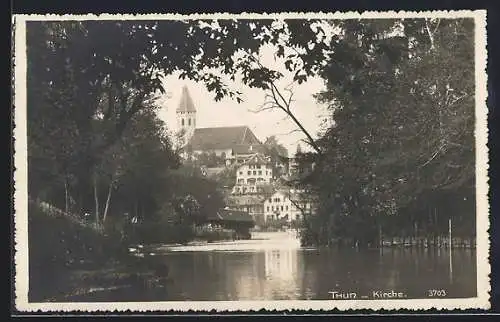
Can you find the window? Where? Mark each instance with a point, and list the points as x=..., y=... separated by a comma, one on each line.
x=254, y=172
x=281, y=208
x=268, y=208
x=286, y=208
x=260, y=172
x=189, y=121
x=182, y=122
x=272, y=208
x=249, y=172
x=258, y=166
x=241, y=173
x=270, y=200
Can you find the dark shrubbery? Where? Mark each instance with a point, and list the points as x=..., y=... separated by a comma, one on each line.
x=57, y=245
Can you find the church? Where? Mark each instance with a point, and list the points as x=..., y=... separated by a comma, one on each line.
x=232, y=143
x=257, y=189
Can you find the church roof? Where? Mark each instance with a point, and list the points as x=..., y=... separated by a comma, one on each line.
x=222, y=138
x=186, y=103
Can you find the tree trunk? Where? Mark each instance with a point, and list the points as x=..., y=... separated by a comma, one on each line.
x=66, y=197
x=96, y=199
x=108, y=199
x=380, y=238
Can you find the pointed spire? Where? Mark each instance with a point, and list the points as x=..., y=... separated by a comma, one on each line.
x=186, y=103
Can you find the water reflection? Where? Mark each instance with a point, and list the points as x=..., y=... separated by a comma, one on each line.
x=277, y=269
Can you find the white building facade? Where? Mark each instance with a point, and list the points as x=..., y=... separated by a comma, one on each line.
x=256, y=170
x=286, y=205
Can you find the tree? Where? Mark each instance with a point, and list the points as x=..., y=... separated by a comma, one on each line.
x=386, y=81
x=204, y=191
x=277, y=154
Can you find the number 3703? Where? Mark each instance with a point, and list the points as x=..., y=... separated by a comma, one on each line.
x=436, y=293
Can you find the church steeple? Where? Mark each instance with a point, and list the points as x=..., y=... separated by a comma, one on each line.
x=186, y=103
x=186, y=115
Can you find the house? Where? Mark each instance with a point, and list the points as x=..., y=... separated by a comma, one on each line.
x=256, y=170
x=251, y=204
x=289, y=205
x=239, y=221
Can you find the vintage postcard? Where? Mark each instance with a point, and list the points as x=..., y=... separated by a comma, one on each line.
x=240, y=162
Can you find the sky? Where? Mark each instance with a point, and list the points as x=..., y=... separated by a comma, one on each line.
x=228, y=112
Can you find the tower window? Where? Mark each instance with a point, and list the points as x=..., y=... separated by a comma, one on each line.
x=189, y=122
x=182, y=122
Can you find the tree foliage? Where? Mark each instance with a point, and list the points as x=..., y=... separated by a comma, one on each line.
x=402, y=93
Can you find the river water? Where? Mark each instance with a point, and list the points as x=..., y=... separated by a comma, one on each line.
x=273, y=266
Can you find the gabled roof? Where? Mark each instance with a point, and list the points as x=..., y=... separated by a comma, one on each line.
x=186, y=103
x=222, y=138
x=257, y=158
x=213, y=171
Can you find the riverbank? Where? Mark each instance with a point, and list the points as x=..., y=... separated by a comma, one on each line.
x=71, y=257
x=62, y=247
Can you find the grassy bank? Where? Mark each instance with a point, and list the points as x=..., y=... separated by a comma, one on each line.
x=59, y=245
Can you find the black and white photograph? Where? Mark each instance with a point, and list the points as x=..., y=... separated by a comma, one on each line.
x=248, y=161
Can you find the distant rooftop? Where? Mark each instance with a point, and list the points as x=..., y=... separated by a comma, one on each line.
x=222, y=138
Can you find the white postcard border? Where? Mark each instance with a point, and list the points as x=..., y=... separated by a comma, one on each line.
x=21, y=184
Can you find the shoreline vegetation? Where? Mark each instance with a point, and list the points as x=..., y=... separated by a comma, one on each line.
x=66, y=252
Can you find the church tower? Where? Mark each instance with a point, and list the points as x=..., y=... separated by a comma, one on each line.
x=186, y=116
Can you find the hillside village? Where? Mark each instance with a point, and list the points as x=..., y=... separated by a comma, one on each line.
x=258, y=184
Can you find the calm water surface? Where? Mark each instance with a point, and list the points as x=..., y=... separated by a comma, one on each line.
x=272, y=266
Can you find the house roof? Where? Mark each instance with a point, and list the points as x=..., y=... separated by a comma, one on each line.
x=186, y=103
x=212, y=138
x=257, y=159
x=213, y=171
